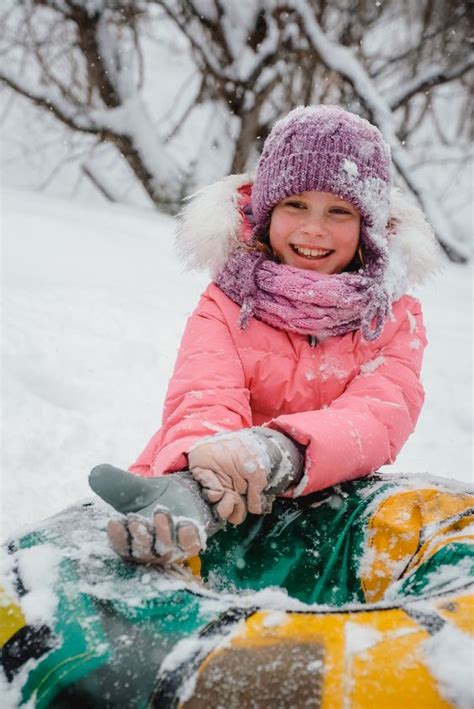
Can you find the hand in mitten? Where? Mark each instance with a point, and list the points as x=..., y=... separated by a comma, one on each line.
x=163, y=519
x=243, y=470
x=159, y=540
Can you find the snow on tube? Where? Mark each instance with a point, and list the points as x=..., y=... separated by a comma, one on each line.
x=358, y=596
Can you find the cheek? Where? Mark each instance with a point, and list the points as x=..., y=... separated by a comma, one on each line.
x=279, y=229
x=349, y=237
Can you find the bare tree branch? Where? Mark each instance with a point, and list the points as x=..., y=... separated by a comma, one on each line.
x=37, y=47
x=98, y=183
x=392, y=61
x=72, y=120
x=425, y=82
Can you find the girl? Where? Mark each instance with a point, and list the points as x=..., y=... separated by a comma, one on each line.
x=300, y=367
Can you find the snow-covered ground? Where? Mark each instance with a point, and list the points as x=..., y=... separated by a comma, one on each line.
x=94, y=305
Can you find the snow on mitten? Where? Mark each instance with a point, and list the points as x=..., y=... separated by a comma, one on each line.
x=243, y=470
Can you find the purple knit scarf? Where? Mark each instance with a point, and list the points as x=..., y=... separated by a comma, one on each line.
x=304, y=301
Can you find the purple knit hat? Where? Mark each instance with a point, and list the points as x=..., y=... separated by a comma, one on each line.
x=326, y=149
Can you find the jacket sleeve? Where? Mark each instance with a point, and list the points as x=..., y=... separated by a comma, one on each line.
x=367, y=425
x=206, y=393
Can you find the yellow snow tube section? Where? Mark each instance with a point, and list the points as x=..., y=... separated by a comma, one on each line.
x=407, y=529
x=11, y=618
x=374, y=659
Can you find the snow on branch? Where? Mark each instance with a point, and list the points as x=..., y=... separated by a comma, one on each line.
x=129, y=120
x=344, y=61
x=266, y=52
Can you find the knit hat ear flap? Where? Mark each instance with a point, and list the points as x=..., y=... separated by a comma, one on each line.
x=324, y=149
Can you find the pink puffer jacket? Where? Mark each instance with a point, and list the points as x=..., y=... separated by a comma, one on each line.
x=352, y=403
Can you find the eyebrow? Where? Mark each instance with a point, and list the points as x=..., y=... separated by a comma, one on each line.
x=348, y=205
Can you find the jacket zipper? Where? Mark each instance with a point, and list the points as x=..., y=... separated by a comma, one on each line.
x=313, y=341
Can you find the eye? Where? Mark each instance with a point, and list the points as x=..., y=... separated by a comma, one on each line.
x=340, y=210
x=295, y=204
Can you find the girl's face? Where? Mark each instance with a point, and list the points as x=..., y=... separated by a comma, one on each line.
x=315, y=230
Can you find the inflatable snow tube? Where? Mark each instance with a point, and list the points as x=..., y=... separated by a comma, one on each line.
x=359, y=596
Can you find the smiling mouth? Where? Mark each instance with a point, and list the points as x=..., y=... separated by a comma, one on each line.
x=315, y=254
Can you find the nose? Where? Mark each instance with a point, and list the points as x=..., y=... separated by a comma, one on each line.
x=313, y=225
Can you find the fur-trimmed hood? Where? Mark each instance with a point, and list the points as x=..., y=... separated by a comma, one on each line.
x=212, y=225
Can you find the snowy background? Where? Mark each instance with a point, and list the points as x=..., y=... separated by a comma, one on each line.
x=94, y=305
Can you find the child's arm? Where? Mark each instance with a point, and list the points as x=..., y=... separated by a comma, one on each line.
x=207, y=393
x=367, y=425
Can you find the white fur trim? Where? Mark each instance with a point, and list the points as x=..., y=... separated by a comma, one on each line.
x=414, y=253
x=209, y=227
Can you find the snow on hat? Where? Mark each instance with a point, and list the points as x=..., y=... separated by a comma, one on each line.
x=326, y=149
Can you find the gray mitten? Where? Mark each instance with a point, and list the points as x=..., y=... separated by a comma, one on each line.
x=286, y=460
x=165, y=519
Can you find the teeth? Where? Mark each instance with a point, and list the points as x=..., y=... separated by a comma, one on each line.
x=310, y=252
